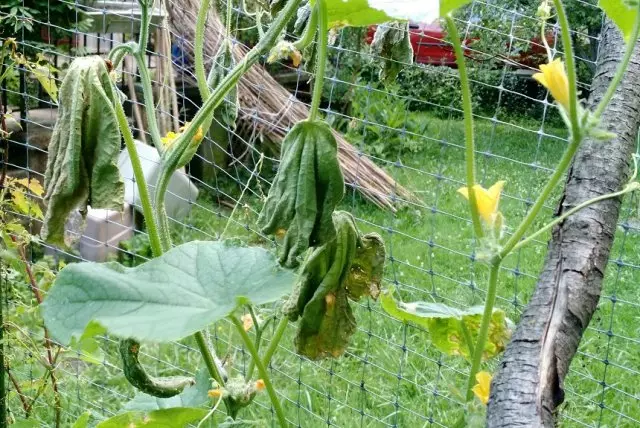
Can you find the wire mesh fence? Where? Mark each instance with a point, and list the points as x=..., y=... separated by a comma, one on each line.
x=413, y=130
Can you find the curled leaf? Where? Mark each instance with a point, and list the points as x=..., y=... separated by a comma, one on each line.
x=327, y=281
x=305, y=191
x=82, y=166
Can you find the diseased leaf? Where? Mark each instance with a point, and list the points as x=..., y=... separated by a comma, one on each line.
x=164, y=299
x=165, y=418
x=391, y=43
x=321, y=297
x=82, y=166
x=365, y=274
x=193, y=396
x=446, y=325
x=621, y=13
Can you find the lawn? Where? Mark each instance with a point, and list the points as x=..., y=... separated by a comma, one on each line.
x=391, y=375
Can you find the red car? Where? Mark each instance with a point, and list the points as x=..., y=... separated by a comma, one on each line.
x=430, y=46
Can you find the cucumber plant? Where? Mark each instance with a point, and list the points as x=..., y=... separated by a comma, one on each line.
x=184, y=289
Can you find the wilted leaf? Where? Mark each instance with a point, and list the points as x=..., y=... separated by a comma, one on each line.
x=82, y=165
x=166, y=298
x=46, y=79
x=391, y=43
x=446, y=325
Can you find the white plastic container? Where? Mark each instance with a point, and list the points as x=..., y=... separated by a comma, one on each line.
x=104, y=231
x=181, y=192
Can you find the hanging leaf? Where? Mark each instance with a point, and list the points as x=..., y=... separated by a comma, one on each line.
x=82, y=165
x=306, y=190
x=165, y=418
x=164, y=299
x=391, y=43
x=348, y=267
x=622, y=13
x=446, y=325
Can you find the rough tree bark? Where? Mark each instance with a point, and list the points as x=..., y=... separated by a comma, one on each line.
x=528, y=386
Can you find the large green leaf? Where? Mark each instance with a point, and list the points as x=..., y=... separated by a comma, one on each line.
x=453, y=331
x=165, y=418
x=193, y=396
x=167, y=298
x=623, y=15
x=362, y=13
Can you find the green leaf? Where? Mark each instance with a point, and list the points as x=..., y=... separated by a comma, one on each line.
x=87, y=346
x=623, y=15
x=164, y=299
x=165, y=418
x=362, y=13
x=46, y=79
x=447, y=325
x=83, y=420
x=448, y=6
x=193, y=396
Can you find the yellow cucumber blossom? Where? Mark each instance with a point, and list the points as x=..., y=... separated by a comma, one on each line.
x=482, y=388
x=553, y=76
x=487, y=200
x=168, y=139
x=260, y=385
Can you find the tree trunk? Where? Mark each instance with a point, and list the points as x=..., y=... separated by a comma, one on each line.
x=528, y=386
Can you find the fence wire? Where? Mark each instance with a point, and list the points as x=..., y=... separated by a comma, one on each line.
x=390, y=375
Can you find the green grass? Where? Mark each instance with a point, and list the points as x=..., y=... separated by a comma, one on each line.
x=391, y=375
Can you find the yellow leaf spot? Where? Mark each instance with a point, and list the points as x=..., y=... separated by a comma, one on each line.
x=487, y=200
x=482, y=388
x=33, y=185
x=554, y=77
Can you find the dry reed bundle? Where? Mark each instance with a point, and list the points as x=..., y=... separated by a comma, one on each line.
x=268, y=106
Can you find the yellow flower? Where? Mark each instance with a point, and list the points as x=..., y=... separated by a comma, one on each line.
x=247, y=322
x=482, y=388
x=215, y=393
x=260, y=385
x=199, y=134
x=168, y=139
x=487, y=200
x=554, y=77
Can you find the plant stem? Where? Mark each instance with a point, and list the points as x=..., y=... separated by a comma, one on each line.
x=262, y=370
x=212, y=367
x=170, y=161
x=542, y=198
x=622, y=68
x=149, y=105
x=198, y=49
x=273, y=345
x=468, y=126
x=628, y=189
x=483, y=333
x=309, y=32
x=321, y=58
x=141, y=182
x=571, y=67
x=23, y=398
